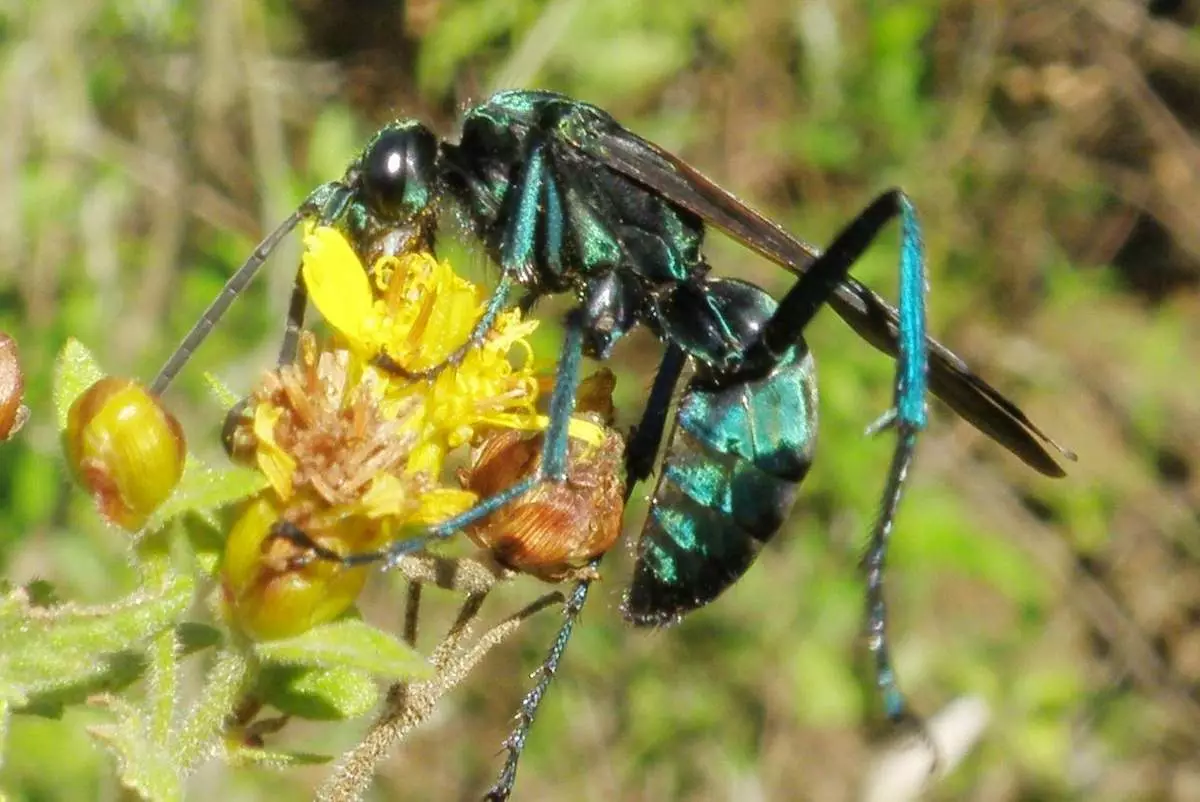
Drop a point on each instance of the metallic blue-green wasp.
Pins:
(566, 200)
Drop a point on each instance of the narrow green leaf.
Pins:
(319, 693)
(249, 756)
(71, 686)
(75, 371)
(162, 684)
(194, 636)
(349, 643)
(207, 541)
(201, 733)
(144, 763)
(220, 390)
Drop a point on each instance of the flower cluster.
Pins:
(355, 455)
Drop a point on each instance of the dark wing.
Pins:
(875, 320)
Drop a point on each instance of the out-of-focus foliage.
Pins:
(1053, 151)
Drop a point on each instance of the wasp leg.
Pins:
(495, 305)
(516, 254)
(811, 292)
(639, 461)
(295, 321)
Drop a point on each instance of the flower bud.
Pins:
(556, 529)
(274, 587)
(13, 413)
(126, 449)
(237, 433)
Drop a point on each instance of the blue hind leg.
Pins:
(639, 460)
(907, 415)
(554, 457)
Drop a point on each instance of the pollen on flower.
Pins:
(417, 310)
(317, 432)
(356, 455)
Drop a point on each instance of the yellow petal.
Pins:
(388, 496)
(275, 463)
(441, 503)
(579, 429)
(337, 283)
(427, 458)
(523, 422)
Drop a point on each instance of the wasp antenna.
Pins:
(232, 289)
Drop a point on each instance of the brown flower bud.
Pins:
(237, 433)
(554, 530)
(13, 413)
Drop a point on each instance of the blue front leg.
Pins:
(516, 255)
(639, 460)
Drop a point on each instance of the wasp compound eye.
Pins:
(398, 170)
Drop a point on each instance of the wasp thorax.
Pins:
(397, 170)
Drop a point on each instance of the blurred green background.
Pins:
(1053, 150)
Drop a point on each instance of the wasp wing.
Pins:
(875, 320)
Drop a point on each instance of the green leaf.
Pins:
(110, 674)
(249, 756)
(162, 684)
(319, 693)
(349, 643)
(54, 648)
(203, 489)
(75, 371)
(205, 723)
(144, 762)
(226, 397)
(194, 636)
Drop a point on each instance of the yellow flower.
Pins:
(356, 455)
(339, 437)
(417, 313)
